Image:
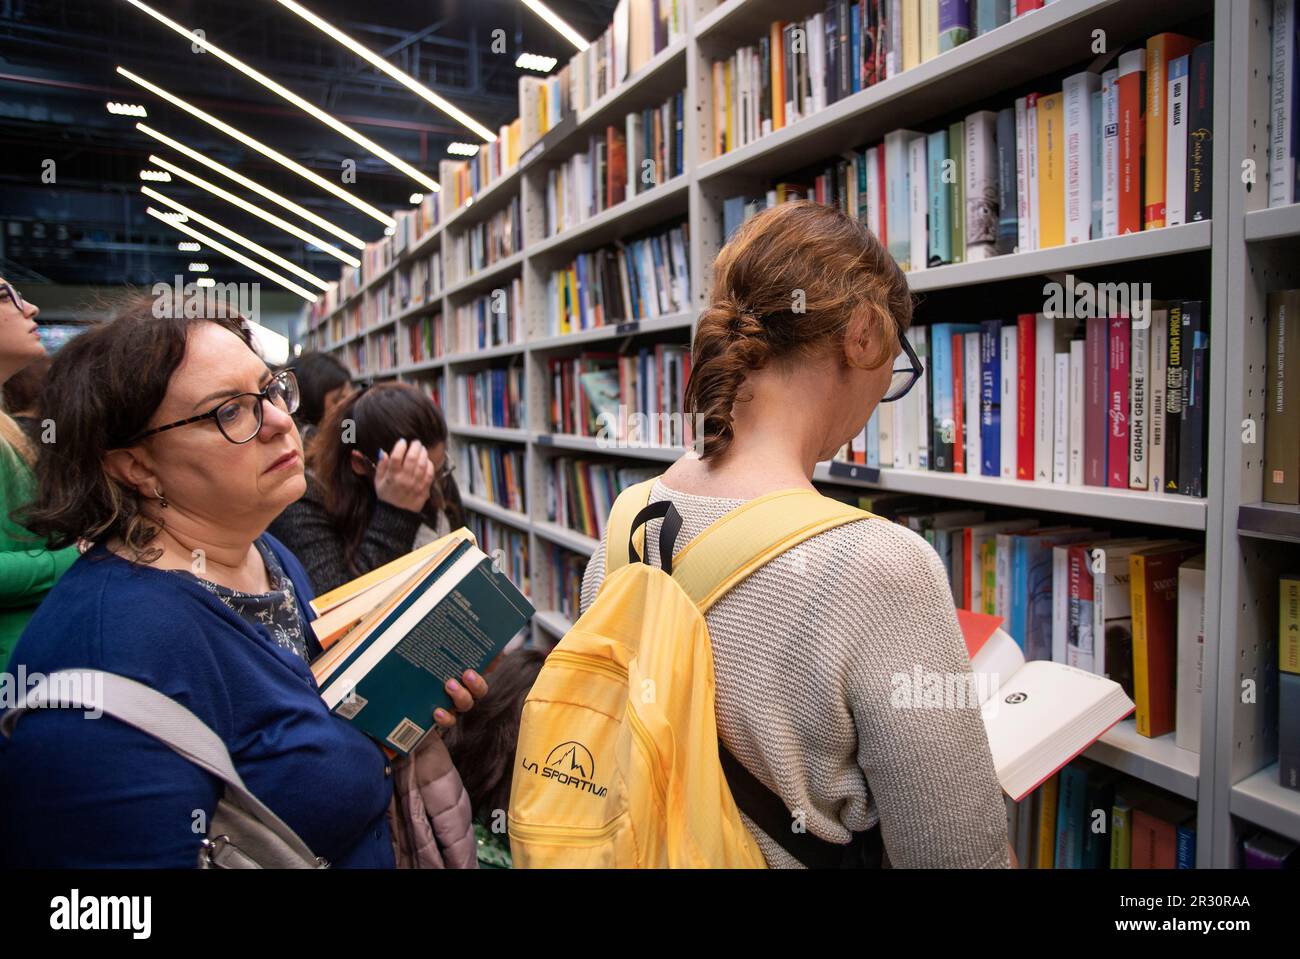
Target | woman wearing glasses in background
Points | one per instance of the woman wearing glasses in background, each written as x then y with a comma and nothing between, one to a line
176,448
379,484
27,568
805,648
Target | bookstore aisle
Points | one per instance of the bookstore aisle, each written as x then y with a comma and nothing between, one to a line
1095,201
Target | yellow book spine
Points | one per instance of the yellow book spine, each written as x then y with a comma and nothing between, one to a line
1047,822
1051,171
911,33
1288,646
1137,588
1153,192
359,585
929,16
728,95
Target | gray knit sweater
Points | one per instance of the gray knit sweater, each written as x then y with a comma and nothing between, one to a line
804,651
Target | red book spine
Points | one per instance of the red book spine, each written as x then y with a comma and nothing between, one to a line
1117,404
1095,405
884,207
1026,340
1132,134
958,405
1024,6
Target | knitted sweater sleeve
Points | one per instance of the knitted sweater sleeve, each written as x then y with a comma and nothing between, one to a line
926,762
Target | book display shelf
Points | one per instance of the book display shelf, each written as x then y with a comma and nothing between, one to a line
1234,260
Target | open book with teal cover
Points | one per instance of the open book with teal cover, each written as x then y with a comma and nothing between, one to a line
452,613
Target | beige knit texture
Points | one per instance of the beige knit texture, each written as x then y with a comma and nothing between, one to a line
804,651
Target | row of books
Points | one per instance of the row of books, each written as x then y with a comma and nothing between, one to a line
801,66
1282,404
638,30
581,492
1128,608
407,287
1284,82
378,353
462,180
499,236
427,338
618,163
493,472
495,318
564,592
1110,402
413,225
507,546
490,397
627,400
1288,711
435,387
629,280
1088,816
1102,158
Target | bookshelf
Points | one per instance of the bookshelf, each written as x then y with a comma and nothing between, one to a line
1244,251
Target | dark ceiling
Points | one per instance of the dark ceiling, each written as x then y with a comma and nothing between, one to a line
57,71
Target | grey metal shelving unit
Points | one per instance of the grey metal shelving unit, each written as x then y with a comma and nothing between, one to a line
1245,250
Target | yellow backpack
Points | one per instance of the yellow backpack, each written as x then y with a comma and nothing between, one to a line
618,761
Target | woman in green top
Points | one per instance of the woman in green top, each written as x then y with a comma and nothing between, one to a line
27,568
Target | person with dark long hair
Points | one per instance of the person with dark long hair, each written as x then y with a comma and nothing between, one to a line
323,383
379,484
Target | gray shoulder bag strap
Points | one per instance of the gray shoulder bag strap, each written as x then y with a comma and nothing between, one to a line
243,833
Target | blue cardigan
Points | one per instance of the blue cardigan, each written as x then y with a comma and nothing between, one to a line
78,792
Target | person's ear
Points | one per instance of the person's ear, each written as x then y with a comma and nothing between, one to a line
132,470
859,344
358,463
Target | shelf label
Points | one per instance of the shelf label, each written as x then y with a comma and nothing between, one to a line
629,327
544,439
856,471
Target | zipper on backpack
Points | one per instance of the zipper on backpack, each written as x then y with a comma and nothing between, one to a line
590,664
571,835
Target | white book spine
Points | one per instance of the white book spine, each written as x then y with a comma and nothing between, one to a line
886,414
981,174
873,190
1044,391
1031,150
898,196
1190,670
971,382
921,393
1078,91
1008,400
1061,424
1077,357
1139,403
1156,425
1110,153
1022,177
817,61
901,433
894,51
1176,144
1281,164
918,201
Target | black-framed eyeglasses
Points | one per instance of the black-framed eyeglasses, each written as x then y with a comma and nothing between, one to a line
14,297
240,417
904,378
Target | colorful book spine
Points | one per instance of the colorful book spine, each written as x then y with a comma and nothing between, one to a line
1010,390
1117,387
939,226
1095,405
1138,412
1175,369
1161,50
954,23
1131,82
1200,134
1282,399
1008,199
990,398
1026,381
1051,170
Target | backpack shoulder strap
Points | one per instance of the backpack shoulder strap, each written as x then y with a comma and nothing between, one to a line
619,528
752,534
156,715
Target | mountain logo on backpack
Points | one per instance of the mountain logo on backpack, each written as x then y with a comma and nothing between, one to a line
569,764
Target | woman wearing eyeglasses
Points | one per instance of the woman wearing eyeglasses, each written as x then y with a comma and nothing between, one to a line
379,484
27,567
176,448
802,339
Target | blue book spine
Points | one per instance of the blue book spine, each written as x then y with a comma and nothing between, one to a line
990,398
855,45
1186,846
1038,598
873,439
1098,188
1071,813
954,23
940,229
1018,591
990,14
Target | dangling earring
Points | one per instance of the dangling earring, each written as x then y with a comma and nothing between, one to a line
162,500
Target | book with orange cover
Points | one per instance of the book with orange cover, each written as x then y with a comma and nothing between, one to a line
325,602
1161,49
1153,587
1051,170
1131,90
778,74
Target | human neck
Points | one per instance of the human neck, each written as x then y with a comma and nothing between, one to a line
780,430
223,555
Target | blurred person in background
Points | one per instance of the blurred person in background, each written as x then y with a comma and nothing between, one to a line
323,383
27,568
22,397
379,484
